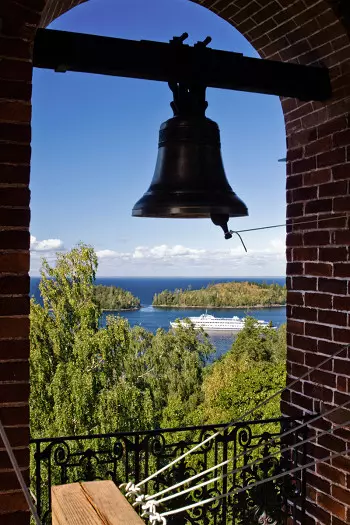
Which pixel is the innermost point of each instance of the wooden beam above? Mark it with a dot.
(93, 503)
(176, 62)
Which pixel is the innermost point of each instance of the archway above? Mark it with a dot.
(318, 272)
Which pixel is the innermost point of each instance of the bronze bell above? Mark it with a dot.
(189, 180)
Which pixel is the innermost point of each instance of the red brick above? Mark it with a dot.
(295, 154)
(332, 126)
(306, 314)
(321, 516)
(335, 286)
(333, 444)
(12, 502)
(15, 90)
(14, 370)
(294, 239)
(342, 269)
(14, 305)
(314, 360)
(318, 300)
(341, 204)
(295, 298)
(14, 217)
(295, 327)
(13, 262)
(15, 153)
(22, 456)
(305, 343)
(9, 481)
(342, 237)
(15, 327)
(342, 366)
(333, 254)
(303, 165)
(295, 210)
(304, 193)
(14, 174)
(18, 437)
(304, 283)
(319, 206)
(294, 268)
(316, 238)
(343, 336)
(14, 416)
(331, 505)
(341, 303)
(15, 518)
(319, 146)
(330, 158)
(302, 401)
(331, 317)
(295, 181)
(18, 284)
(295, 355)
(341, 172)
(341, 494)
(317, 177)
(333, 189)
(14, 349)
(319, 483)
(14, 111)
(342, 138)
(318, 330)
(322, 269)
(13, 392)
(14, 196)
(19, 133)
(305, 254)
(14, 239)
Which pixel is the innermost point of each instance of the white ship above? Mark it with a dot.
(210, 323)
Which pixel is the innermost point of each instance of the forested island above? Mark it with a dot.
(114, 298)
(224, 295)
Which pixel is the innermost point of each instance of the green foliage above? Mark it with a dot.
(87, 380)
(113, 298)
(252, 371)
(233, 294)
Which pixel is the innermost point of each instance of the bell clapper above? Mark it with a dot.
(221, 219)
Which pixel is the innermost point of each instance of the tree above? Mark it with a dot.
(88, 379)
(252, 371)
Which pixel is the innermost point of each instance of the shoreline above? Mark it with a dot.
(256, 307)
(121, 309)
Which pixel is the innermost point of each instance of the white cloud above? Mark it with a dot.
(47, 245)
(177, 260)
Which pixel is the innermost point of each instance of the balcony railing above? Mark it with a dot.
(132, 456)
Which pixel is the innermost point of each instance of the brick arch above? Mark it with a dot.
(318, 183)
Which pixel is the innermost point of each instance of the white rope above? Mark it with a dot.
(256, 484)
(19, 474)
(243, 454)
(255, 462)
(246, 414)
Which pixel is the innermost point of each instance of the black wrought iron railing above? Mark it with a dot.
(133, 456)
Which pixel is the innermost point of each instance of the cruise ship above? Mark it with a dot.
(210, 323)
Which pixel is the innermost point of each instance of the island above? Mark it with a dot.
(224, 295)
(113, 298)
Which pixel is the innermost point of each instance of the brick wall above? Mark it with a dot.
(318, 143)
(18, 22)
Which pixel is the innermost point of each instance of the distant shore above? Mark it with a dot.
(121, 309)
(185, 307)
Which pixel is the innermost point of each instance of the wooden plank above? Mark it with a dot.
(91, 503)
(173, 62)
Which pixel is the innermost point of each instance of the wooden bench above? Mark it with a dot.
(91, 503)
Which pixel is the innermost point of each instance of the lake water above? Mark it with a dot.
(154, 318)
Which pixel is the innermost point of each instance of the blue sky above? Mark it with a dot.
(95, 147)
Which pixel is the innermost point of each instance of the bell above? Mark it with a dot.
(189, 180)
